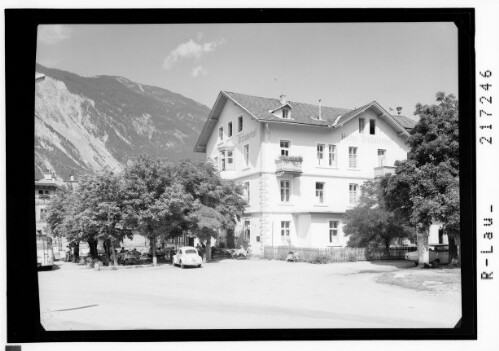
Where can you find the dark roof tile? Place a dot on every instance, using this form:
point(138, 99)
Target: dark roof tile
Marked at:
point(404, 121)
point(301, 113)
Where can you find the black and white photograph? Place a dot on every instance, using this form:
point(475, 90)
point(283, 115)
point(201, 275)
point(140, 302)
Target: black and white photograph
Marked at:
point(279, 177)
point(247, 176)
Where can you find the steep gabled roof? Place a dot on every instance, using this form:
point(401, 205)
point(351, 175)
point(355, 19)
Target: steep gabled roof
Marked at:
point(402, 123)
point(261, 109)
point(405, 122)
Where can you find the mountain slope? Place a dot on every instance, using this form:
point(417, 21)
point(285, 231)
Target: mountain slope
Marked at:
point(87, 124)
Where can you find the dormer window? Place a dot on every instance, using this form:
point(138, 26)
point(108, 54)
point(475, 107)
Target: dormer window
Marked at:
point(283, 111)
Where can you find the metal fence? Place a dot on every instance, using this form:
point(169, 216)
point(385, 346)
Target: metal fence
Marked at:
point(336, 254)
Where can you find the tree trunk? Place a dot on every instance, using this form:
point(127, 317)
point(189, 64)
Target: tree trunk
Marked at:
point(387, 247)
point(92, 245)
point(458, 245)
point(424, 254)
point(153, 249)
point(77, 252)
point(113, 254)
point(208, 249)
point(230, 238)
point(453, 256)
point(90, 248)
point(107, 251)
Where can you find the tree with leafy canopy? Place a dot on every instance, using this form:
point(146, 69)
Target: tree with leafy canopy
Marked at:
point(219, 203)
point(425, 187)
point(155, 203)
point(61, 210)
point(57, 210)
point(67, 216)
point(369, 224)
point(103, 215)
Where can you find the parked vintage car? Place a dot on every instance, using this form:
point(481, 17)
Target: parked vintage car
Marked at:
point(187, 256)
point(439, 254)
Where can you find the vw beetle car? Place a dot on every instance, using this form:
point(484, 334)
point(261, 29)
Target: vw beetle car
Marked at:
point(439, 253)
point(187, 256)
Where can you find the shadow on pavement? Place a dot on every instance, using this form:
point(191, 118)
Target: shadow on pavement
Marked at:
point(395, 263)
point(53, 268)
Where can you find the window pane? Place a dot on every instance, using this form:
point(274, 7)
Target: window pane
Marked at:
point(240, 124)
point(381, 157)
point(285, 191)
point(284, 147)
point(352, 157)
point(353, 193)
point(320, 152)
point(222, 160)
point(246, 154)
point(372, 126)
point(332, 155)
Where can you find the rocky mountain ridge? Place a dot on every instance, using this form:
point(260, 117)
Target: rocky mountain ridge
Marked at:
point(88, 124)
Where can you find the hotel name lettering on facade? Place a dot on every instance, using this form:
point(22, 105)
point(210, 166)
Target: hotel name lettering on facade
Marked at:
point(246, 137)
point(366, 139)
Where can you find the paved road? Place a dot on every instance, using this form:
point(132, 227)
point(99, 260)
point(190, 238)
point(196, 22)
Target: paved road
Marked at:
point(241, 294)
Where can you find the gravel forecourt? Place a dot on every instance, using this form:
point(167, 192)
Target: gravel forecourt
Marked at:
point(250, 294)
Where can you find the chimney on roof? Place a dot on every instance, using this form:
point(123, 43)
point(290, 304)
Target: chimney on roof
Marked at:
point(283, 100)
point(320, 109)
point(71, 178)
point(47, 175)
point(399, 109)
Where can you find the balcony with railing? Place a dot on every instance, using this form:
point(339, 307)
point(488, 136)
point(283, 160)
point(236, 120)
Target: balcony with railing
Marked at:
point(381, 171)
point(289, 165)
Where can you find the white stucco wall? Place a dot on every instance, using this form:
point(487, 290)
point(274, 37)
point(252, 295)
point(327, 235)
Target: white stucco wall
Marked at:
point(309, 219)
point(304, 140)
point(306, 230)
point(250, 135)
point(336, 180)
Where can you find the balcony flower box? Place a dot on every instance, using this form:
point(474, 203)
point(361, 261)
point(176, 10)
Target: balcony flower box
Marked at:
point(289, 165)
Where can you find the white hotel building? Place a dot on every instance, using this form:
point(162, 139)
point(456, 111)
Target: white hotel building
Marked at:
point(301, 165)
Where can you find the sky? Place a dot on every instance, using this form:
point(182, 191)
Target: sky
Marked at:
point(343, 64)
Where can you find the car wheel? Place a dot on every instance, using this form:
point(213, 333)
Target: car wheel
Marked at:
point(416, 263)
point(181, 265)
point(199, 266)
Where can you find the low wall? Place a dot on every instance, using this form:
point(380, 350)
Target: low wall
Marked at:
point(343, 254)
